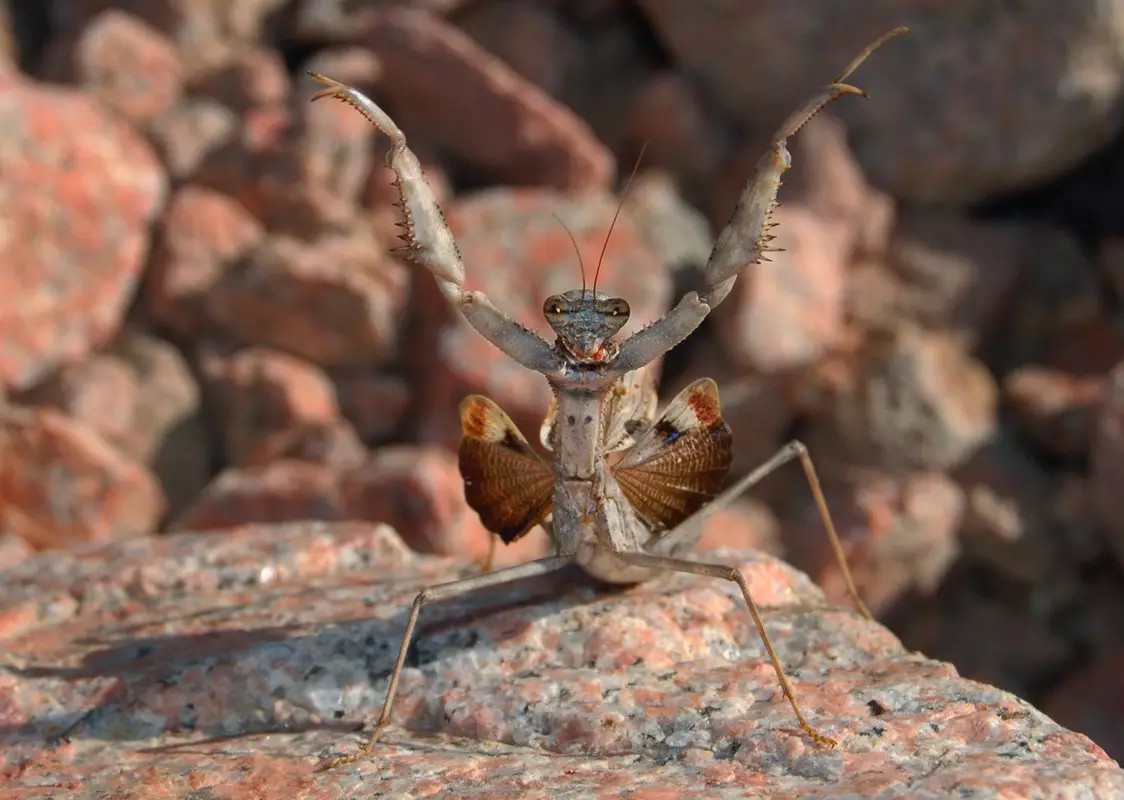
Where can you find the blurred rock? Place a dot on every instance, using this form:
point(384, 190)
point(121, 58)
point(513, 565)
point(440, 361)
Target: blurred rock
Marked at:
point(187, 134)
point(203, 235)
point(1004, 123)
point(141, 397)
point(450, 94)
point(333, 144)
point(62, 484)
point(276, 492)
point(1058, 302)
point(123, 62)
point(339, 21)
point(377, 405)
point(261, 397)
point(899, 532)
point(824, 180)
point(282, 157)
point(328, 153)
point(205, 34)
point(100, 393)
point(531, 38)
point(1096, 623)
point(1088, 347)
point(337, 301)
point(1054, 410)
point(1007, 515)
point(253, 78)
point(787, 312)
point(167, 431)
point(254, 165)
point(419, 491)
point(669, 118)
point(79, 188)
point(674, 231)
point(615, 46)
point(333, 443)
point(9, 48)
point(1106, 462)
point(953, 273)
point(987, 640)
point(746, 524)
point(13, 550)
point(915, 400)
point(1110, 263)
point(1092, 700)
point(1071, 512)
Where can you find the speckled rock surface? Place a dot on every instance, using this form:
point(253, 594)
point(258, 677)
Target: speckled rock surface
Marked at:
point(192, 666)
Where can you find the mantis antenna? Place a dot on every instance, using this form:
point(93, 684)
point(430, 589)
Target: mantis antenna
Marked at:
point(620, 205)
point(577, 249)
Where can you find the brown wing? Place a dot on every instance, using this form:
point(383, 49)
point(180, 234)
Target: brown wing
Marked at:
point(505, 481)
point(679, 464)
point(628, 408)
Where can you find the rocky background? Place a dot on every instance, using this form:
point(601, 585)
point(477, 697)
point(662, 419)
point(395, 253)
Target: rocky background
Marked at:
point(203, 322)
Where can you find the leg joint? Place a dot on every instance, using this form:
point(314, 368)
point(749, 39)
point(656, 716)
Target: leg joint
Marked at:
point(797, 448)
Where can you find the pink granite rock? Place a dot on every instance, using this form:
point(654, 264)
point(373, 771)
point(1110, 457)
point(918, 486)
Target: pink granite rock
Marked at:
point(62, 484)
point(336, 301)
point(80, 191)
point(259, 394)
point(141, 397)
point(203, 234)
point(236, 663)
point(275, 491)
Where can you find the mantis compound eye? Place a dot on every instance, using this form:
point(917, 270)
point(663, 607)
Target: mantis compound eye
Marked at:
point(618, 308)
point(553, 308)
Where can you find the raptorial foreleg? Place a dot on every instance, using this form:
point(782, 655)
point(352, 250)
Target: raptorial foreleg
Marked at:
point(745, 239)
point(430, 243)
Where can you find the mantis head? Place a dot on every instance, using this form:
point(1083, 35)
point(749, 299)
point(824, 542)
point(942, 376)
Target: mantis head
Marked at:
point(585, 322)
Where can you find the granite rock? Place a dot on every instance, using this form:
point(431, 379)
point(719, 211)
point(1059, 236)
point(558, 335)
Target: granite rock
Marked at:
point(232, 665)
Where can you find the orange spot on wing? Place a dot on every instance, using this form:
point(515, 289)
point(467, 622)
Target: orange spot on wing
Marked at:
point(705, 408)
point(474, 418)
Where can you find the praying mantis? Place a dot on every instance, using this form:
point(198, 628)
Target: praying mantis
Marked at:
point(626, 492)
